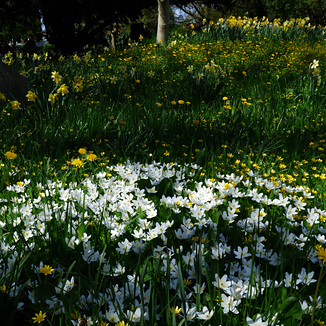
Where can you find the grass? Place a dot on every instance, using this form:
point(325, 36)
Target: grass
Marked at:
point(165, 185)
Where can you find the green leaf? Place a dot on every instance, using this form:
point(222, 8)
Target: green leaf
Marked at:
point(290, 310)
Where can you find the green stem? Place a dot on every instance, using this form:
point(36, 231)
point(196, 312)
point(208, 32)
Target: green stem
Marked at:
point(315, 297)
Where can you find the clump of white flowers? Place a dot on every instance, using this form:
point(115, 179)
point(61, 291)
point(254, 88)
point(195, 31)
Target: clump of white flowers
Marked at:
point(224, 237)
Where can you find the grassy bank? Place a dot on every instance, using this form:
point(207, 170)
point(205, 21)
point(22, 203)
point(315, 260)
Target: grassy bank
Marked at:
point(169, 184)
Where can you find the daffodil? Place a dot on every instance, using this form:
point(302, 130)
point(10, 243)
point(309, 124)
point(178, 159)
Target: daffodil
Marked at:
point(31, 96)
point(56, 77)
point(314, 64)
point(78, 84)
point(63, 89)
point(52, 97)
point(14, 105)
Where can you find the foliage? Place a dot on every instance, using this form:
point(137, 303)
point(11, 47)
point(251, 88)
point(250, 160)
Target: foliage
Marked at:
point(210, 9)
point(81, 22)
point(85, 22)
point(19, 20)
point(314, 9)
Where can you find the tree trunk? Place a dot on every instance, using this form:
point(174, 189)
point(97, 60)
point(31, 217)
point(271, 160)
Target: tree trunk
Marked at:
point(163, 21)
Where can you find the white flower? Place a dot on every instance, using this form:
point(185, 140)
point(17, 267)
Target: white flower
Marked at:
point(124, 246)
point(134, 315)
point(20, 306)
point(199, 289)
point(190, 312)
point(275, 259)
point(85, 237)
point(305, 278)
point(112, 316)
point(72, 242)
point(241, 253)
point(229, 304)
point(119, 270)
point(69, 285)
point(222, 283)
point(205, 314)
point(258, 321)
point(288, 280)
point(27, 233)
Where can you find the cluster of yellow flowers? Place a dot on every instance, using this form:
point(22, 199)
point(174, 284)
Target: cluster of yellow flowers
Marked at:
point(249, 23)
point(79, 162)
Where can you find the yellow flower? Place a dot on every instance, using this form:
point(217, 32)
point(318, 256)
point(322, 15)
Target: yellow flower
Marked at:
point(10, 155)
point(181, 102)
point(91, 157)
point(141, 37)
point(225, 98)
point(2, 97)
point(77, 163)
point(14, 105)
point(39, 317)
point(176, 310)
point(121, 323)
point(46, 270)
point(78, 84)
point(321, 253)
point(187, 281)
point(56, 77)
point(103, 323)
point(31, 97)
point(52, 97)
point(76, 58)
point(63, 89)
point(3, 288)
point(82, 151)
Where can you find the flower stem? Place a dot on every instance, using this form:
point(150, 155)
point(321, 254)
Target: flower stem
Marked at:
point(316, 294)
